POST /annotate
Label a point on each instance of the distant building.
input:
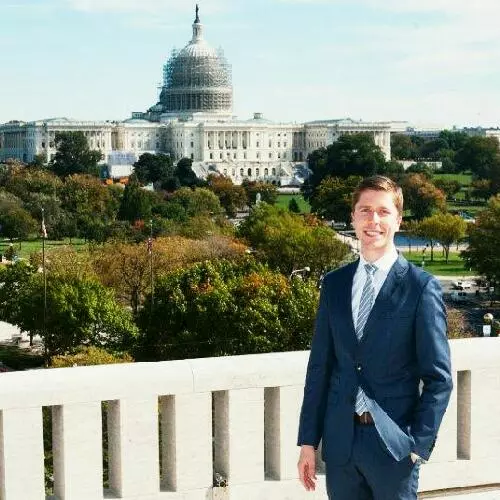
(193, 119)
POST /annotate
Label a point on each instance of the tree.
(15, 221)
(420, 168)
(449, 187)
(79, 312)
(350, 155)
(421, 196)
(332, 198)
(268, 192)
(198, 201)
(444, 228)
(293, 206)
(481, 188)
(74, 156)
(231, 197)
(154, 168)
(478, 154)
(286, 242)
(194, 306)
(28, 181)
(402, 147)
(185, 174)
(484, 242)
(136, 202)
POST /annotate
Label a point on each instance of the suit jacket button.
(358, 367)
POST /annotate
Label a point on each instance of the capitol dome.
(197, 78)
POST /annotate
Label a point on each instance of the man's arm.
(319, 368)
(433, 357)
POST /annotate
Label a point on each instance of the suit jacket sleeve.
(433, 356)
(319, 369)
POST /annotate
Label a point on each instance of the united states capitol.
(193, 119)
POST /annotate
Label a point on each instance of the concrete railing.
(172, 425)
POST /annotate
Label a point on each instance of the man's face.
(375, 219)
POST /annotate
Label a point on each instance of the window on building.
(257, 144)
(192, 156)
(249, 172)
(270, 155)
(273, 171)
(257, 172)
(257, 155)
(266, 172)
(221, 156)
(192, 144)
(241, 172)
(244, 155)
(211, 156)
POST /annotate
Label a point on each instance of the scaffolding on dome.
(197, 82)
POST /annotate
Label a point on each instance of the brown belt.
(364, 419)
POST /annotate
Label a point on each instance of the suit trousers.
(371, 473)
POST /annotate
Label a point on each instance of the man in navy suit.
(379, 376)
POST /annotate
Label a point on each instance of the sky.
(432, 63)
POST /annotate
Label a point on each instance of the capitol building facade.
(193, 119)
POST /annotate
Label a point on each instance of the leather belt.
(364, 419)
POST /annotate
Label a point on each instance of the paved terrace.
(236, 416)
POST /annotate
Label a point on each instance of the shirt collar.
(384, 263)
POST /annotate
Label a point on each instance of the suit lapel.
(383, 301)
(345, 303)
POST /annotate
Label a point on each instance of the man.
(380, 332)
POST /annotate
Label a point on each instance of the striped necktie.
(365, 306)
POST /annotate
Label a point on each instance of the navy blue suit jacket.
(404, 343)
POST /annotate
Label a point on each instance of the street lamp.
(488, 321)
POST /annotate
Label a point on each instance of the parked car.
(462, 285)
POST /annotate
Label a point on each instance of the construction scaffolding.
(197, 83)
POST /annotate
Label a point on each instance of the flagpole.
(44, 235)
(151, 265)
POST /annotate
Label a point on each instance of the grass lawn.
(27, 247)
(455, 266)
(470, 209)
(464, 179)
(284, 199)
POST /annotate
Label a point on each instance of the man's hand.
(307, 467)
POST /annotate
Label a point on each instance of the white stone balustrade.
(173, 425)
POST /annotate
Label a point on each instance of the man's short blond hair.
(379, 183)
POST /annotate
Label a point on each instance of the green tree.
(79, 312)
(293, 206)
(332, 198)
(481, 188)
(198, 201)
(402, 147)
(74, 156)
(484, 242)
(15, 220)
(350, 155)
(268, 192)
(421, 196)
(185, 174)
(449, 187)
(286, 242)
(481, 155)
(194, 306)
(136, 202)
(155, 168)
(444, 228)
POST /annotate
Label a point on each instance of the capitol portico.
(193, 119)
